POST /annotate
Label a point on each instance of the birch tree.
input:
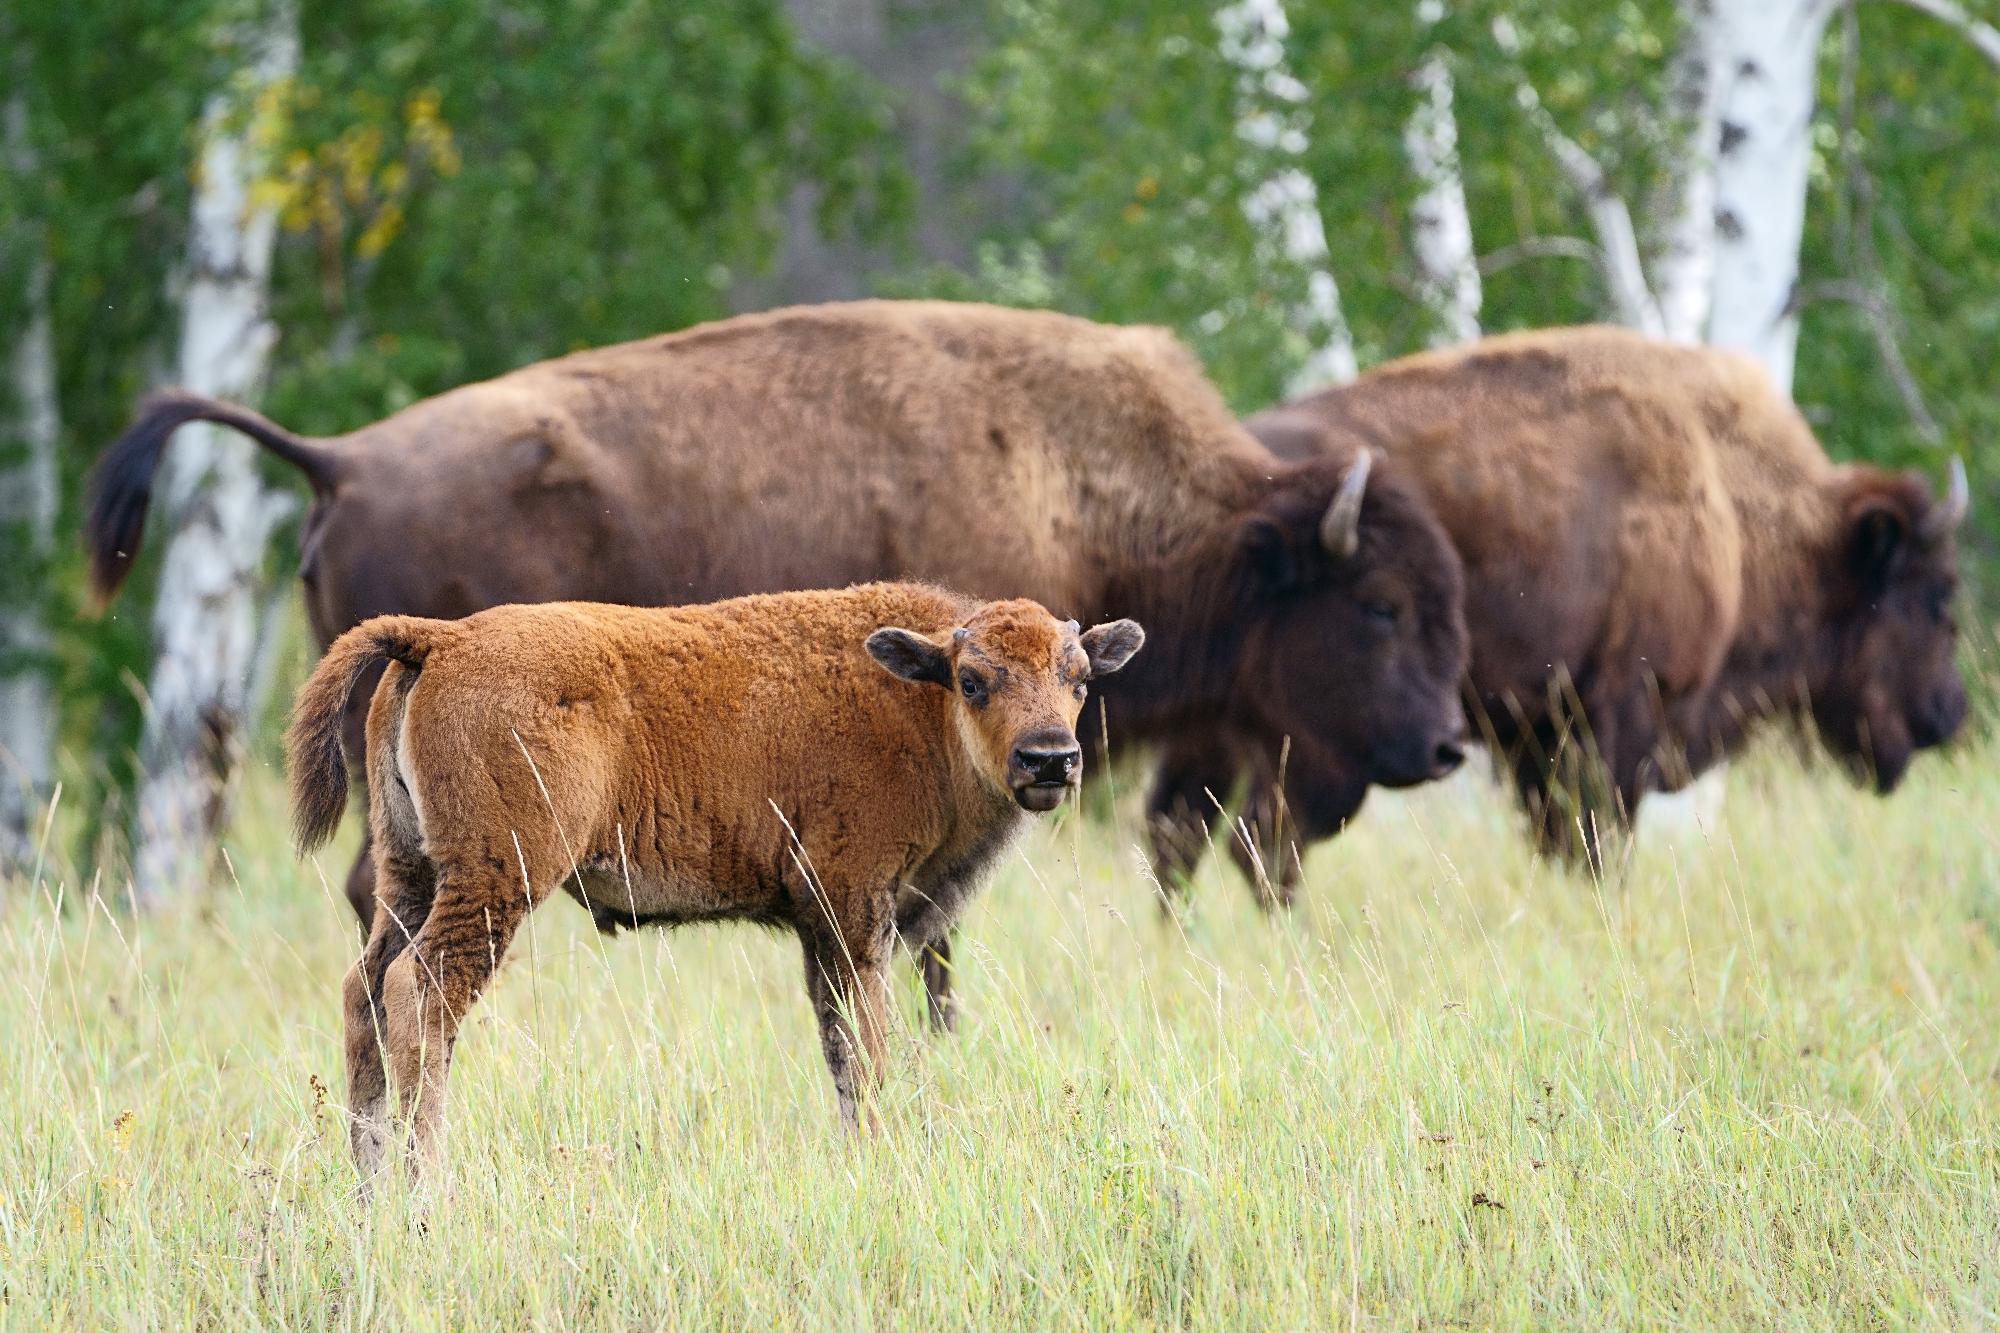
(28, 498)
(1440, 224)
(218, 512)
(1769, 50)
(1284, 206)
(1684, 268)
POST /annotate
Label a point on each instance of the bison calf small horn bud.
(1340, 530)
(1950, 511)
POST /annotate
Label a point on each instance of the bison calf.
(742, 760)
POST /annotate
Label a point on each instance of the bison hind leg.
(405, 882)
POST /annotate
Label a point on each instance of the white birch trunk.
(1684, 268)
(1285, 207)
(1768, 52)
(28, 498)
(217, 510)
(1440, 226)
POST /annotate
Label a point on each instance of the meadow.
(1750, 1082)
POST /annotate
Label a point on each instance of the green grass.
(1752, 1084)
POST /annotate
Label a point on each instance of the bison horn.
(1950, 511)
(1340, 530)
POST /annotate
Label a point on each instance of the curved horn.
(1340, 530)
(1950, 511)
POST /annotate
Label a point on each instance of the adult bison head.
(1355, 644)
(1890, 685)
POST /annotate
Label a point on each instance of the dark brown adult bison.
(1002, 452)
(1657, 555)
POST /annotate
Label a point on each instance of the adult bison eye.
(1379, 611)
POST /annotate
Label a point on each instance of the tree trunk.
(28, 498)
(1768, 56)
(219, 513)
(1684, 269)
(1284, 208)
(1440, 226)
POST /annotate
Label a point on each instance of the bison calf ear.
(901, 652)
(1111, 645)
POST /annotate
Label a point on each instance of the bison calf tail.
(315, 761)
(121, 487)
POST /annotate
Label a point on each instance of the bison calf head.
(1356, 648)
(1893, 686)
(1018, 677)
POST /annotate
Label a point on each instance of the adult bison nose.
(1043, 769)
(1446, 759)
(1939, 719)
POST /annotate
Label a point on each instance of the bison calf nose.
(1047, 765)
(1447, 758)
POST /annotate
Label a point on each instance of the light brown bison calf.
(741, 760)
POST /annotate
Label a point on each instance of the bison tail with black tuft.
(315, 762)
(121, 487)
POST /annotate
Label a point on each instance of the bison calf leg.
(849, 984)
(1194, 778)
(428, 990)
(940, 1005)
(361, 885)
(408, 884)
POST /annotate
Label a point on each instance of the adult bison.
(1312, 606)
(1657, 555)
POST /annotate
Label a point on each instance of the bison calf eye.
(971, 686)
(1080, 690)
(1379, 611)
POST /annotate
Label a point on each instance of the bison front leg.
(1581, 776)
(847, 977)
(1265, 847)
(1196, 775)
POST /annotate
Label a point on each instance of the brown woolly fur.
(1657, 554)
(745, 760)
(1010, 453)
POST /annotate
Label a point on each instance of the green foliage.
(1122, 122)
(464, 187)
(1901, 210)
(472, 187)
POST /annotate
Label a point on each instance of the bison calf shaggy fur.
(744, 760)
(1657, 555)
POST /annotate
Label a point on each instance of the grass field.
(1753, 1083)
